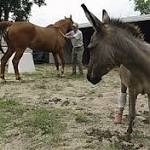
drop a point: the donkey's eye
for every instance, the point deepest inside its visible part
(91, 46)
(108, 68)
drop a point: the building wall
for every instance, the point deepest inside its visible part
(145, 28)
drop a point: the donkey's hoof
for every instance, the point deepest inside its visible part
(128, 137)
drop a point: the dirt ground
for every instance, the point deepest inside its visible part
(86, 111)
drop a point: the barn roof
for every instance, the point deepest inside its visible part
(126, 19)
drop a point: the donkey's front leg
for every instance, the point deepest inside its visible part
(132, 113)
(149, 106)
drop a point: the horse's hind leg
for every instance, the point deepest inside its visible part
(15, 62)
(4, 60)
(56, 61)
(132, 113)
(61, 56)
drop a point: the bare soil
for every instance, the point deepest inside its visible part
(88, 123)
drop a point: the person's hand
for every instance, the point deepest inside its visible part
(66, 36)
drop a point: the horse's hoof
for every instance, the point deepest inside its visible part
(2, 81)
(62, 75)
(19, 80)
(58, 75)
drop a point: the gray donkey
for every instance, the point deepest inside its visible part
(115, 43)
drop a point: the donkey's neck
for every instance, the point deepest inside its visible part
(137, 59)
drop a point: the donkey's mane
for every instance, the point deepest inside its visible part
(134, 29)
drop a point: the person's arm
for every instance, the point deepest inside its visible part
(77, 36)
(69, 35)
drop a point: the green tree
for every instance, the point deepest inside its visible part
(18, 9)
(143, 6)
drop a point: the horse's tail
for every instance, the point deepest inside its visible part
(5, 24)
(1, 49)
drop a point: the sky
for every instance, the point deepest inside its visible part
(58, 9)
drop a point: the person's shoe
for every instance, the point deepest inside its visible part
(118, 117)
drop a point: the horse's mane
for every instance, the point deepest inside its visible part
(50, 25)
(57, 24)
(60, 22)
(132, 28)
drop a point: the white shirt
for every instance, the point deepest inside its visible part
(76, 38)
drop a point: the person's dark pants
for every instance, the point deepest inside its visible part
(77, 53)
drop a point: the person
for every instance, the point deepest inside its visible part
(76, 37)
(120, 108)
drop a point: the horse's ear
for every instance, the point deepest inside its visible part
(65, 17)
(96, 23)
(105, 16)
(70, 16)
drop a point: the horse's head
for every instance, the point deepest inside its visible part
(70, 22)
(65, 24)
(100, 47)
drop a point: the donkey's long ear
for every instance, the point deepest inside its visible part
(96, 23)
(105, 16)
(70, 16)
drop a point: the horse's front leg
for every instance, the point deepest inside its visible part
(56, 62)
(61, 56)
(149, 106)
(132, 111)
(15, 62)
(4, 60)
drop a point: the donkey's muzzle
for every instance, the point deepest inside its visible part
(94, 80)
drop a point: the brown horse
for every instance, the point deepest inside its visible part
(115, 43)
(20, 35)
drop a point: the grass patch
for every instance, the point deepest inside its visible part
(10, 110)
(44, 126)
(48, 121)
(81, 118)
(35, 123)
(110, 147)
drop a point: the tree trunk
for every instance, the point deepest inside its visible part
(6, 15)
